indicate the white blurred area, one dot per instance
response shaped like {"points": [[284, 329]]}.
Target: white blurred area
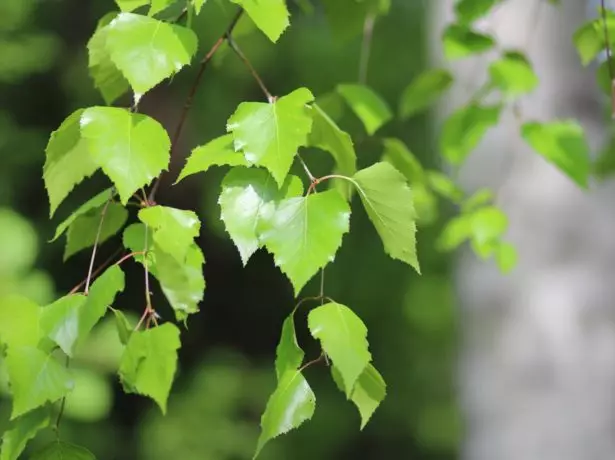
{"points": [[537, 366]]}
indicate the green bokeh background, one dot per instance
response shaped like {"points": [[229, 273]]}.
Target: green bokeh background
{"points": [[226, 371]]}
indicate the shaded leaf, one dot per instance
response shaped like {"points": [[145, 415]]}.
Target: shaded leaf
{"points": [[131, 148], [21, 430], [513, 74], [159, 5], [423, 91], [397, 154], [371, 109], [198, 4], [60, 321], [249, 195], [131, 5], [217, 152], [270, 16], [460, 41], [470, 10], [19, 321], [478, 198], [124, 329], [291, 404], [588, 41], [60, 450], [444, 186], [289, 354], [93, 203], [562, 143], [343, 337], [269, 134], [388, 201], [149, 362], [305, 233]]}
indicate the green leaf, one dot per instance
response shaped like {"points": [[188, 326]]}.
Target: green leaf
{"points": [[147, 51], [326, 135], [506, 257], [455, 232], [131, 148], [159, 5], [198, 4], [488, 226], [470, 10], [478, 198], [292, 403], [588, 41], [270, 133], [397, 154], [107, 77], [465, 128], [249, 195], [513, 74], [83, 231], [343, 337], [305, 233], [270, 16], [289, 354], [174, 230], [217, 152], [21, 430], [423, 91], [371, 109], [19, 322], [149, 362], [60, 321], [60, 450], [368, 392], [124, 329], [444, 186], [35, 378], [347, 17], [388, 202], [93, 203], [562, 143], [67, 161], [461, 41], [131, 5]]}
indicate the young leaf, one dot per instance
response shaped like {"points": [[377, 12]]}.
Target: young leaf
{"points": [[478, 198], [488, 225], [588, 41], [158, 6], [131, 148], [506, 257], [402, 159], [147, 50], [131, 5], [93, 203], [60, 450], [270, 133], [562, 143], [174, 230], [470, 10], [289, 354], [249, 195], [368, 392], [460, 41], [149, 362], [124, 329], [513, 74], [465, 128], [371, 109], [198, 4], [444, 186], [19, 322], [388, 202], [291, 404], [107, 77], [305, 233], [21, 430], [83, 231], [35, 378], [60, 321], [217, 152], [343, 337], [423, 91], [67, 161], [270, 16]]}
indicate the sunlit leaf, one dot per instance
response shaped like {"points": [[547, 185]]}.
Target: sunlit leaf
{"points": [[149, 362], [368, 392], [198, 4], [35, 378], [131, 148], [60, 450], [291, 404], [423, 91], [131, 5], [217, 152], [147, 50], [174, 230], [388, 201], [461, 41], [465, 128], [289, 354], [305, 233], [19, 321], [343, 337], [371, 109], [159, 5], [67, 161], [270, 16], [562, 143], [21, 430], [247, 196], [513, 74], [269, 134]]}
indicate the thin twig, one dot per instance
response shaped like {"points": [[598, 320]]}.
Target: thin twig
{"points": [[312, 362], [62, 405], [250, 67], [307, 170], [192, 93], [148, 298], [91, 267], [368, 33], [95, 273], [322, 286], [128, 256]]}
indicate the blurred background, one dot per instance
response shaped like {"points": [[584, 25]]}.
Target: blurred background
{"points": [[478, 365]]}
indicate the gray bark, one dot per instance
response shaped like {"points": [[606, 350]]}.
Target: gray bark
{"points": [[537, 366]]}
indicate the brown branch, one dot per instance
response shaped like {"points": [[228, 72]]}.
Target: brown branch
{"points": [[250, 67], [192, 93], [98, 231], [100, 268]]}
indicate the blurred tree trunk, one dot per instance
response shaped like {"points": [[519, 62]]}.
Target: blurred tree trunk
{"points": [[537, 368]]}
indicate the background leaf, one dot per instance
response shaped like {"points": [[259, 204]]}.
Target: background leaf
{"points": [[468, 11], [423, 91], [21, 430], [60, 450], [371, 109], [513, 74], [19, 321], [461, 41]]}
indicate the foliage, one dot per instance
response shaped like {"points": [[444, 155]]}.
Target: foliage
{"points": [[263, 203]]}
